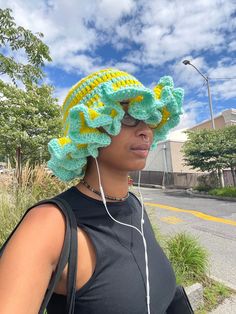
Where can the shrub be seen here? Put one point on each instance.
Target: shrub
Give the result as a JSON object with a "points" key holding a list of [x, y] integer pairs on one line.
{"points": [[202, 188], [207, 182], [188, 258], [228, 191]]}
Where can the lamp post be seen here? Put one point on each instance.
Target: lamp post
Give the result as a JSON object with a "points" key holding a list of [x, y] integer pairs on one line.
{"points": [[206, 78]]}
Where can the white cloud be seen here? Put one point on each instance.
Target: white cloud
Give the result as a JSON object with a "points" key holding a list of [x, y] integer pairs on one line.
{"points": [[61, 93], [232, 46], [188, 77], [220, 89], [105, 14], [225, 90], [192, 110], [155, 35], [162, 31], [174, 29], [125, 66], [223, 71]]}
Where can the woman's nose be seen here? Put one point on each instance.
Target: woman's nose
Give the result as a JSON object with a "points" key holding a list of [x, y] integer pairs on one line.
{"points": [[144, 131]]}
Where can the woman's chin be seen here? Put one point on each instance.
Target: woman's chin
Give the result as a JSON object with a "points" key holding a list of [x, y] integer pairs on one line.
{"points": [[137, 166]]}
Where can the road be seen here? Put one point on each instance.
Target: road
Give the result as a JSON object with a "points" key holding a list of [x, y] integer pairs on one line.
{"points": [[212, 221]]}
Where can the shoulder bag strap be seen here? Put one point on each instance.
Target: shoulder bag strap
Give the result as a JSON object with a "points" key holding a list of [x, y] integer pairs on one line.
{"points": [[72, 262]]}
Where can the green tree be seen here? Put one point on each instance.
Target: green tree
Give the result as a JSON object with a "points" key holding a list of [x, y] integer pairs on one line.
{"points": [[29, 116], [15, 38], [228, 157], [29, 119], [211, 150]]}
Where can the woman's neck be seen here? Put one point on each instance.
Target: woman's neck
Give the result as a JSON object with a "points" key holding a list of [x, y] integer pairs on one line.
{"points": [[114, 183]]}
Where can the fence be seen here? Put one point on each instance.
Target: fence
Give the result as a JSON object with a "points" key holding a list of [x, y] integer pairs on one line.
{"points": [[175, 179]]}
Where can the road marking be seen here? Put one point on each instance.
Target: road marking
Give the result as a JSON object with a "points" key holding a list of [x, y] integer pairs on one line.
{"points": [[147, 198], [195, 213], [171, 220]]}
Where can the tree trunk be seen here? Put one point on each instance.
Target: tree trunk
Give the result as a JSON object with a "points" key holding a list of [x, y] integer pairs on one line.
{"points": [[18, 166]]}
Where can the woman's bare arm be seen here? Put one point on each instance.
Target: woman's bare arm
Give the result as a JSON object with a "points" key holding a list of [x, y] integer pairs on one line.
{"points": [[29, 259]]}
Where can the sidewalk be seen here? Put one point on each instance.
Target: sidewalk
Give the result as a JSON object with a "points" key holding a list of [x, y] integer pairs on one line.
{"points": [[227, 307]]}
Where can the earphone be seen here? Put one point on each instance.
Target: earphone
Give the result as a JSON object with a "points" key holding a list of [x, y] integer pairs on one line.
{"points": [[141, 232]]}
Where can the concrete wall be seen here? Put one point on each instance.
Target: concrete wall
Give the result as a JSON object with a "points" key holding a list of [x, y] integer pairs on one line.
{"points": [[167, 157], [177, 158], [219, 124], [160, 158]]}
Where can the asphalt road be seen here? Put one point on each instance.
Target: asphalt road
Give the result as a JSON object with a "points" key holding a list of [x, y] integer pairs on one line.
{"points": [[212, 221]]}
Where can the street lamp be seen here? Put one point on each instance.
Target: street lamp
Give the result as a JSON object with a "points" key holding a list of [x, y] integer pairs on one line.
{"points": [[206, 78]]}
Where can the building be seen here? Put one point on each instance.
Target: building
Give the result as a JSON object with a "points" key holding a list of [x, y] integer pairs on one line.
{"points": [[225, 118], [165, 165]]}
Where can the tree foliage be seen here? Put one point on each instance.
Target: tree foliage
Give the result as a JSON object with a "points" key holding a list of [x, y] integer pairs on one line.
{"points": [[28, 120], [15, 38], [211, 150], [29, 116]]}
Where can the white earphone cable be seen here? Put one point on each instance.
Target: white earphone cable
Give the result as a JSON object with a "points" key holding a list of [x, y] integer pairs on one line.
{"points": [[141, 232], [145, 245]]}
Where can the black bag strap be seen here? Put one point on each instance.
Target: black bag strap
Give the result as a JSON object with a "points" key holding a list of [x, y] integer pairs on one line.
{"points": [[180, 303], [72, 262], [68, 254]]}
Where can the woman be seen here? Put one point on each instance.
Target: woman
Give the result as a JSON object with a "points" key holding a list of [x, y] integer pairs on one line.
{"points": [[110, 123]]}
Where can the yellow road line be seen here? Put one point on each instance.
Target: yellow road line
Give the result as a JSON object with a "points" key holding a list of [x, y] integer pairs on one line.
{"points": [[171, 220], [195, 213]]}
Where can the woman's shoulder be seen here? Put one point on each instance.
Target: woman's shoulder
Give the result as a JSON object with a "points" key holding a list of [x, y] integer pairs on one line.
{"points": [[47, 222], [30, 257]]}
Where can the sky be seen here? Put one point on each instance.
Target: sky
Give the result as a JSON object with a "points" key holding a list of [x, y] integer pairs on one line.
{"points": [[148, 39]]}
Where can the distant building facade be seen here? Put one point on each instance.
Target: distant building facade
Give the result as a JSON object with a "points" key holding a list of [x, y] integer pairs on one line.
{"points": [[165, 165], [226, 118]]}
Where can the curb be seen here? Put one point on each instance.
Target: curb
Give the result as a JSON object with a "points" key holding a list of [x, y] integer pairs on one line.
{"points": [[222, 198], [186, 191], [226, 283], [148, 185], [195, 295], [227, 306]]}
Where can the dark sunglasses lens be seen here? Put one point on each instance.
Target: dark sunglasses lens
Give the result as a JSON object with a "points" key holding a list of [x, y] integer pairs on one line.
{"points": [[129, 121]]}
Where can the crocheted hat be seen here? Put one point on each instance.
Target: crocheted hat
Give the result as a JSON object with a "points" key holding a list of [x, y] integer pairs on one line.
{"points": [[95, 102]]}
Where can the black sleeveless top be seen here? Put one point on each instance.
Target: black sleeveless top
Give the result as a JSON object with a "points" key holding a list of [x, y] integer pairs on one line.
{"points": [[118, 284]]}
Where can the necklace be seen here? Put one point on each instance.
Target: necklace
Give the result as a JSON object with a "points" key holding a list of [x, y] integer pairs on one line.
{"points": [[120, 199]]}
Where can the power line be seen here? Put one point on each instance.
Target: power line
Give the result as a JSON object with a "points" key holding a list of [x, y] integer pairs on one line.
{"points": [[222, 78]]}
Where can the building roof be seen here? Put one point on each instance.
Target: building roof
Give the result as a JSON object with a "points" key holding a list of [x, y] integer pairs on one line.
{"points": [[228, 115]]}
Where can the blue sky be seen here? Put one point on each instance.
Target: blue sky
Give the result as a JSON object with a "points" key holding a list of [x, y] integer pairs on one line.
{"points": [[147, 38]]}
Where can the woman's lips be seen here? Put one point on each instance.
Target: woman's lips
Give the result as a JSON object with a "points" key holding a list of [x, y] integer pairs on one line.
{"points": [[141, 150]]}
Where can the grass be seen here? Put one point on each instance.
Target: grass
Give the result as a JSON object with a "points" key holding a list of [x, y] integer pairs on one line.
{"points": [[228, 191], [37, 184], [202, 188], [188, 258], [214, 293]]}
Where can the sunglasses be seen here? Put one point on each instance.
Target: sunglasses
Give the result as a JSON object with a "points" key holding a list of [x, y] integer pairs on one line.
{"points": [[130, 121]]}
